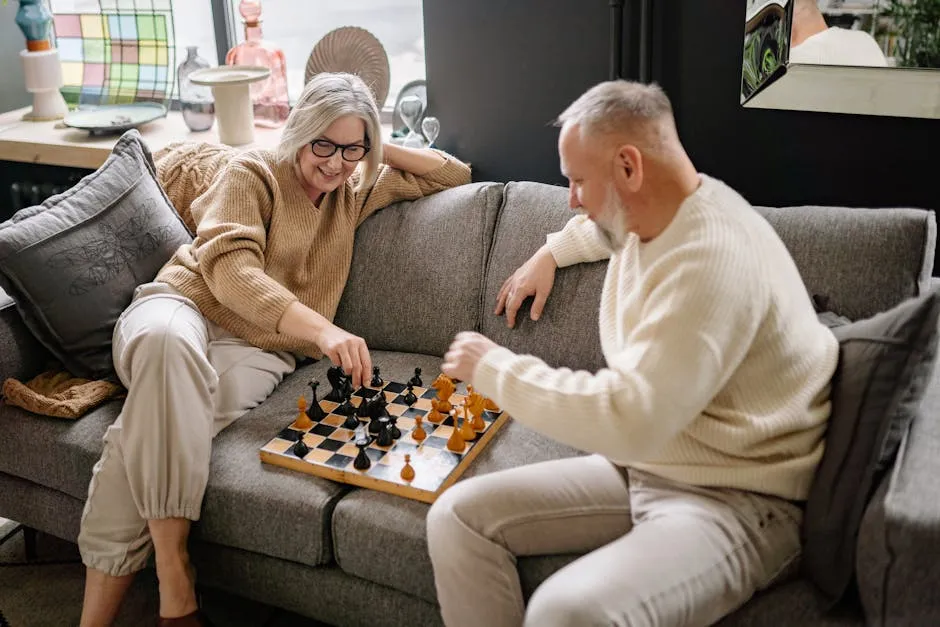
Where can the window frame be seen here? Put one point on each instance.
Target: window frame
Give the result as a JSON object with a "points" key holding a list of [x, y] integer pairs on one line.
{"points": [[225, 24]]}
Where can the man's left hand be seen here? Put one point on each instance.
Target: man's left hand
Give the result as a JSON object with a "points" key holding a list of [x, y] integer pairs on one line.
{"points": [[464, 354]]}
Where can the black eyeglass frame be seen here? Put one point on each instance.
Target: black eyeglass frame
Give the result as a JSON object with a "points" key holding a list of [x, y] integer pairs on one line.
{"points": [[343, 147]]}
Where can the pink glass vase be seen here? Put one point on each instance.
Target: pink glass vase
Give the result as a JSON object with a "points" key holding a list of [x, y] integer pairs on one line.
{"points": [[269, 97]]}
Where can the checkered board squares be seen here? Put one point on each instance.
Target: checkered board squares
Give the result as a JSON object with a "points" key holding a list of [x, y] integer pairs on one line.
{"points": [[111, 58], [332, 448]]}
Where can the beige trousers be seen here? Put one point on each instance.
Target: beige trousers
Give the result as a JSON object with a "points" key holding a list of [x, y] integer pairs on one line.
{"points": [[187, 379], [657, 552]]}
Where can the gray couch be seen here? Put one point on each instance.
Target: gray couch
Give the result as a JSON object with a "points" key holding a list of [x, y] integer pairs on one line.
{"points": [[423, 271]]}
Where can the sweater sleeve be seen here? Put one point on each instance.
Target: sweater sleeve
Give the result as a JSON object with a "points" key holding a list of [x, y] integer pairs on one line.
{"points": [[392, 185], [696, 326], [231, 237], [577, 242]]}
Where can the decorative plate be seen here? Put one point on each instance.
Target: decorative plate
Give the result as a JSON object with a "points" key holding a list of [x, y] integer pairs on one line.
{"points": [[229, 75], [356, 51], [103, 119]]}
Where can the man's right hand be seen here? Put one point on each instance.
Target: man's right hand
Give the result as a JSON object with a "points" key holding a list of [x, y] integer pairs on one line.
{"points": [[534, 278], [346, 350]]}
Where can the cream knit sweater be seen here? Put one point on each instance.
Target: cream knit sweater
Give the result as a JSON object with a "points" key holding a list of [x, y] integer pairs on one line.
{"points": [[718, 371], [262, 244]]}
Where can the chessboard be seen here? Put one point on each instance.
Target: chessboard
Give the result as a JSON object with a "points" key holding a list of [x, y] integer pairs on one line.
{"points": [[397, 443]]}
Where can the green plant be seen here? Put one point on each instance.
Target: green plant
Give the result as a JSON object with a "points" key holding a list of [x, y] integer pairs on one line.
{"points": [[917, 27]]}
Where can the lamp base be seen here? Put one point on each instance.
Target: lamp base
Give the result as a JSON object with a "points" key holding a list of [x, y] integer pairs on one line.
{"points": [[43, 78]]}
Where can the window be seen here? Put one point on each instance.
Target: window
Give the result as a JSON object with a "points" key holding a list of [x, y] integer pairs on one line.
{"points": [[296, 26], [128, 48]]}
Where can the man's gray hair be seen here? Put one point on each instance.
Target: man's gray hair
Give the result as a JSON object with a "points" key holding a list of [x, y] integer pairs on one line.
{"points": [[326, 98], [616, 107]]}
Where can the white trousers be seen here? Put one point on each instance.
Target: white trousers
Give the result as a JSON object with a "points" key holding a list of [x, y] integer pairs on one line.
{"points": [[657, 552], [187, 379]]}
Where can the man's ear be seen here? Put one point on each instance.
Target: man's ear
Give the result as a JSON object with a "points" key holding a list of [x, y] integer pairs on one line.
{"points": [[629, 167]]}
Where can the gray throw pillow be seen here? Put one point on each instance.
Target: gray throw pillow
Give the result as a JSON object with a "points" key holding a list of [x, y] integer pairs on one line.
{"points": [[72, 263], [885, 365]]}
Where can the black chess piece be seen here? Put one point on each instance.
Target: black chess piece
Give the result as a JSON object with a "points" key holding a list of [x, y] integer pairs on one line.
{"points": [[377, 381], [300, 448], [315, 412], [385, 432], [345, 408], [416, 380], [396, 432], [375, 426], [410, 398], [338, 381], [367, 405], [352, 422], [362, 461]]}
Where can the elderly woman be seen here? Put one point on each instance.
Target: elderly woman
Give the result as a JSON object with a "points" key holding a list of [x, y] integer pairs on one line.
{"points": [[221, 325]]}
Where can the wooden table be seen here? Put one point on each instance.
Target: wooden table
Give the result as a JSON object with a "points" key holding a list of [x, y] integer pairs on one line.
{"points": [[53, 143]]}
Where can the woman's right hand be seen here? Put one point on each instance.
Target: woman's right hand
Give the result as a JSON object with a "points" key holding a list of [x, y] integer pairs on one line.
{"points": [[346, 350]]}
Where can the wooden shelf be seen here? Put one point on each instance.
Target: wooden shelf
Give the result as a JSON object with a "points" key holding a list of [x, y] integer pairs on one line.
{"points": [[53, 143]]}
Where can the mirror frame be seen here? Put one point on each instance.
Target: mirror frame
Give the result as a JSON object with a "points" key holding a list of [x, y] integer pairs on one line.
{"points": [[879, 91]]}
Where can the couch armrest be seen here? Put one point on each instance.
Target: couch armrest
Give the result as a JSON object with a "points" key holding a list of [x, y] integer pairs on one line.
{"points": [[21, 355], [899, 541]]}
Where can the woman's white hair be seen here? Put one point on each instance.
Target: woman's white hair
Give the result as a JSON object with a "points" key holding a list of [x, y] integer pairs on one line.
{"points": [[326, 98]]}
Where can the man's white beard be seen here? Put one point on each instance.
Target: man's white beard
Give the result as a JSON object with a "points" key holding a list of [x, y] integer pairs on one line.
{"points": [[611, 225]]}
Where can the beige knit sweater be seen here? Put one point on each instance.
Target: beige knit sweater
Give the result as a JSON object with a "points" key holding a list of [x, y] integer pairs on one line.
{"points": [[262, 244], [718, 371]]}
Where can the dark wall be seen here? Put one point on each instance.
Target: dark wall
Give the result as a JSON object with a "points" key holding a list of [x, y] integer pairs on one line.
{"points": [[14, 94], [500, 70], [784, 157]]}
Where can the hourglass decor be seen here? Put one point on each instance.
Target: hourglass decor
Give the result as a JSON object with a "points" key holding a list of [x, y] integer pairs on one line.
{"points": [[411, 108]]}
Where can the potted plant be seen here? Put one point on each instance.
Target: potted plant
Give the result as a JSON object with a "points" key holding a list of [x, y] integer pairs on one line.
{"points": [[915, 25]]}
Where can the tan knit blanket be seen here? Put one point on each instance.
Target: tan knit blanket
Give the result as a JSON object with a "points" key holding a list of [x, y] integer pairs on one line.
{"points": [[185, 170], [59, 394]]}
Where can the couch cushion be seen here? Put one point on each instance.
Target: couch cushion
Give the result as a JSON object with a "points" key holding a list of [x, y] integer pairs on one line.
{"points": [[567, 333], [381, 537], [417, 270], [73, 262], [795, 603], [885, 365], [21, 354], [248, 505], [899, 541], [861, 260]]}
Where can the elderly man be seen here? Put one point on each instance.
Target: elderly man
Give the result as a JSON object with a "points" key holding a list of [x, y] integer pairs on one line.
{"points": [[706, 426]]}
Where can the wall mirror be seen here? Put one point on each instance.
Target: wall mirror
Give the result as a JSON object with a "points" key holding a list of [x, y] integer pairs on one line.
{"points": [[870, 57]]}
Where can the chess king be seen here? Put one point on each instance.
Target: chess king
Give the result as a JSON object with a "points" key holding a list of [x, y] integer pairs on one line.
{"points": [[690, 501], [187, 377]]}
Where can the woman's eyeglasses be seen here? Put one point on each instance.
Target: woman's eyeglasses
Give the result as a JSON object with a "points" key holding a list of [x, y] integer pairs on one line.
{"points": [[351, 152]]}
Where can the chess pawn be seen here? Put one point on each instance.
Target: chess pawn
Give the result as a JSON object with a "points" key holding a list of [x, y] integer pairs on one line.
{"points": [[377, 381], [300, 447], [418, 434], [407, 472], [434, 415], [455, 442], [302, 421], [466, 430], [362, 461], [410, 398]]}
